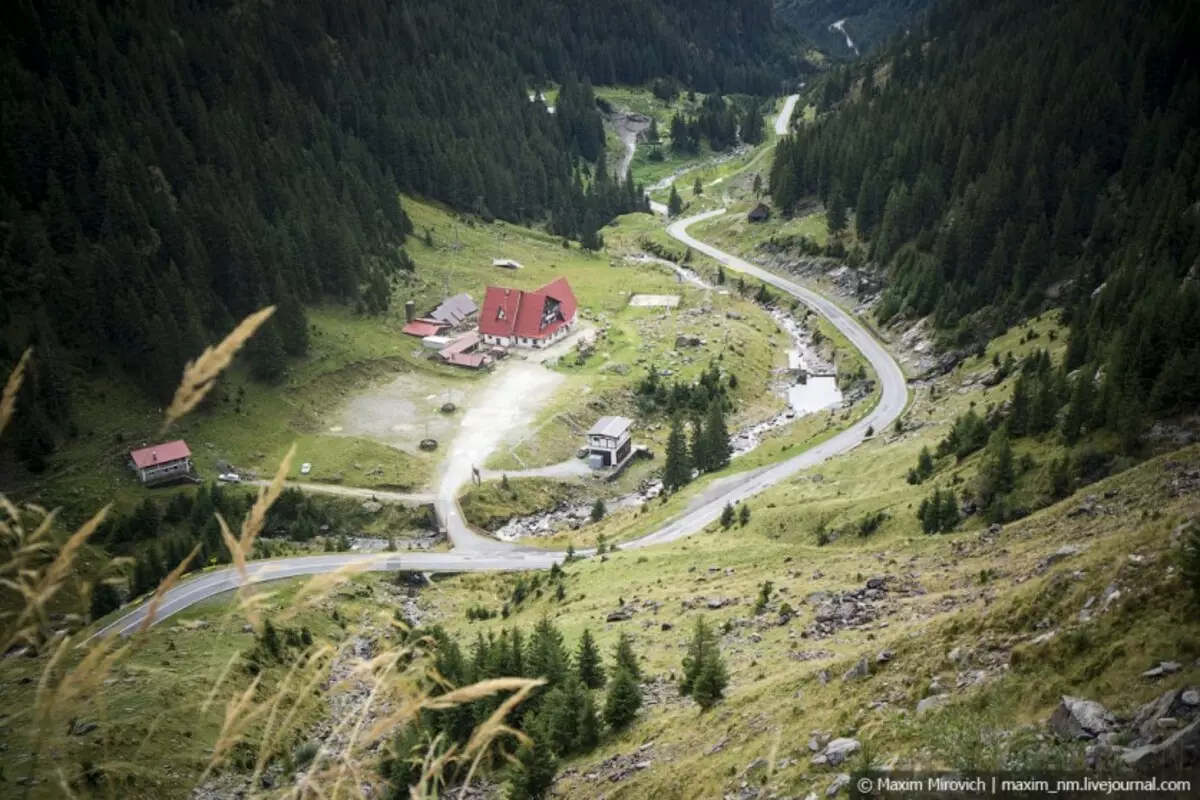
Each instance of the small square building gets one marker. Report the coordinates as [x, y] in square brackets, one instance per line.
[609, 442]
[161, 462]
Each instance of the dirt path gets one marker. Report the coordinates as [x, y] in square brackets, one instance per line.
[497, 412]
[382, 496]
[628, 126]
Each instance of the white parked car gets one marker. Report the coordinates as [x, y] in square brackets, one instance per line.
[229, 477]
[305, 468]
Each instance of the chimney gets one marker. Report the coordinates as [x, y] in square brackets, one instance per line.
[410, 310]
[154, 456]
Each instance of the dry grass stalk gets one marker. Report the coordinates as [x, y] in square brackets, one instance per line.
[200, 375]
[272, 735]
[9, 399]
[38, 588]
[36, 569]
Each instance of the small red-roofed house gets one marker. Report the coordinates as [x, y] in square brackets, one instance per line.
[516, 318]
[161, 462]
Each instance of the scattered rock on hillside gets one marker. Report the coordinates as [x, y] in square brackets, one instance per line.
[619, 767]
[1181, 750]
[932, 702]
[1077, 718]
[836, 752]
[1066, 551]
[838, 784]
[620, 615]
[1163, 668]
[859, 670]
[82, 728]
[1148, 722]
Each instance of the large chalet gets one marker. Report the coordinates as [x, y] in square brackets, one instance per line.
[516, 318]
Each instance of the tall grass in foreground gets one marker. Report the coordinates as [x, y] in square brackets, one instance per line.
[264, 718]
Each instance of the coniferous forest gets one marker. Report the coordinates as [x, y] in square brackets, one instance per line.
[1026, 155]
[169, 167]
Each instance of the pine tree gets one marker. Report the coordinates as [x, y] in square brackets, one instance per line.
[758, 186]
[727, 516]
[925, 463]
[836, 210]
[1191, 560]
[545, 656]
[716, 435]
[699, 448]
[587, 726]
[744, 515]
[105, 599]
[697, 187]
[588, 662]
[598, 510]
[624, 657]
[677, 472]
[711, 680]
[996, 473]
[674, 203]
[702, 641]
[623, 700]
[532, 774]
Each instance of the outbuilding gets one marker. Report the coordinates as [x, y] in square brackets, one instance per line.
[609, 442]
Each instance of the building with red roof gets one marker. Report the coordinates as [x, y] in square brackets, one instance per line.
[516, 318]
[162, 462]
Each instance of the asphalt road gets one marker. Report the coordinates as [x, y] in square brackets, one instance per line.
[785, 116]
[474, 553]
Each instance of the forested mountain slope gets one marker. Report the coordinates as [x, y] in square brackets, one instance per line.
[868, 23]
[1021, 153]
[168, 167]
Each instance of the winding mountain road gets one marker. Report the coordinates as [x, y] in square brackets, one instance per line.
[475, 553]
[785, 116]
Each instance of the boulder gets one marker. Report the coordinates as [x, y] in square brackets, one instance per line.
[859, 670]
[839, 783]
[839, 750]
[1163, 668]
[620, 615]
[932, 702]
[1076, 718]
[1191, 698]
[1166, 705]
[372, 507]
[1180, 751]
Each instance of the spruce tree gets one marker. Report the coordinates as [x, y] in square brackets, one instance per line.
[677, 472]
[697, 187]
[727, 516]
[703, 640]
[836, 210]
[624, 657]
[744, 514]
[105, 598]
[996, 473]
[1191, 559]
[716, 436]
[588, 662]
[925, 463]
[587, 726]
[699, 448]
[532, 774]
[674, 203]
[711, 680]
[598, 510]
[623, 700]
